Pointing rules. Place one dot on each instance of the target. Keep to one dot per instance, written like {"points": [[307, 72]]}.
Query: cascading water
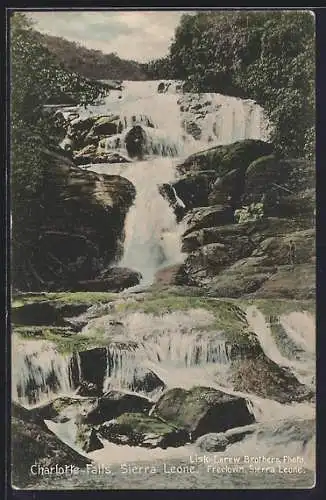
{"points": [[183, 349], [38, 371], [152, 235]]}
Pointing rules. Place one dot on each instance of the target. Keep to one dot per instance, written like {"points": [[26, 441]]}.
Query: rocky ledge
{"points": [[244, 208]]}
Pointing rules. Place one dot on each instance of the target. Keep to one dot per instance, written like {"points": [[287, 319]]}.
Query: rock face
{"points": [[73, 245], [136, 429], [136, 142], [32, 443], [202, 410], [90, 367], [219, 441], [115, 403], [230, 258], [261, 376], [114, 279]]}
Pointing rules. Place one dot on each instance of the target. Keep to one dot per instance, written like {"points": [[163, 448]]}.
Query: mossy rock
{"points": [[33, 443], [267, 176], [52, 308], [201, 410], [223, 159], [137, 429], [113, 404], [203, 217], [263, 377], [290, 282]]}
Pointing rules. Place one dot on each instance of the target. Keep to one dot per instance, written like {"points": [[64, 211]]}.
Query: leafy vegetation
{"points": [[36, 79], [266, 56], [91, 64]]}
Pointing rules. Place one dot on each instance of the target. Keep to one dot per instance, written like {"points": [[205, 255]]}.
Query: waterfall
{"points": [[152, 234], [39, 371], [302, 367]]}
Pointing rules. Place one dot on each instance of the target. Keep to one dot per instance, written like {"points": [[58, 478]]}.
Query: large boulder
{"points": [[114, 279], [194, 189], [113, 404], [137, 429], [243, 277], [136, 141], [219, 441], [201, 410], [224, 159], [227, 189], [267, 175], [105, 125], [262, 376], [33, 443], [71, 243], [292, 282], [204, 217], [275, 249]]}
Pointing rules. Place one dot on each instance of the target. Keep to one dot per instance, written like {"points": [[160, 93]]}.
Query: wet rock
{"points": [[211, 258], [292, 282], [194, 189], [89, 367], [115, 403], [266, 171], [212, 442], [137, 429], [147, 381], [60, 409], [88, 389], [119, 278], [114, 279], [35, 444], [71, 244], [46, 312], [161, 88], [219, 441], [224, 159], [238, 244], [260, 375], [201, 410], [95, 156], [135, 141], [105, 125], [172, 275], [87, 439], [227, 189], [192, 128], [204, 217]]}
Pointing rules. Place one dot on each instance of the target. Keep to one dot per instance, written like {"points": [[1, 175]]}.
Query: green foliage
{"points": [[92, 64], [252, 212], [266, 56], [36, 79]]}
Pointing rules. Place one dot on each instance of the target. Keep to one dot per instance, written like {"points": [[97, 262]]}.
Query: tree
{"points": [[36, 78], [266, 56]]}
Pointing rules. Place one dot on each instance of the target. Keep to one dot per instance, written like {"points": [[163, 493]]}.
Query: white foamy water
{"points": [[38, 371], [302, 367], [152, 235], [301, 329], [184, 349]]}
